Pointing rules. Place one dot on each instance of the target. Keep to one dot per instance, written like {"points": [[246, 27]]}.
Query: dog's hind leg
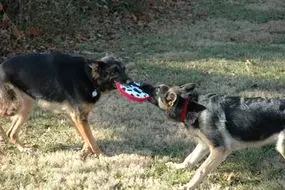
{"points": [[19, 119], [3, 136], [280, 145], [217, 156], [9, 105], [200, 151]]}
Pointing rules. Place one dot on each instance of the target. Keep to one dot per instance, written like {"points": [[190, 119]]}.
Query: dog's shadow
{"points": [[253, 166]]}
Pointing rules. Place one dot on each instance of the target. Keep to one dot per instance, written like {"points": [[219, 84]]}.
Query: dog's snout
{"points": [[157, 91], [161, 89]]}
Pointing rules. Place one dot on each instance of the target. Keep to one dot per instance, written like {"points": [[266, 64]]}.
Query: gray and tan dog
{"points": [[220, 124]]}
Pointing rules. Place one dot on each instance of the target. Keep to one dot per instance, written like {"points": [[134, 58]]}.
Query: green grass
{"points": [[211, 51], [238, 10]]}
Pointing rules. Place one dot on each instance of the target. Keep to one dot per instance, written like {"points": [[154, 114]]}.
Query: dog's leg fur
{"points": [[17, 105], [217, 156], [88, 138], [280, 145], [86, 151], [19, 119], [80, 119], [200, 151], [4, 137], [9, 104]]}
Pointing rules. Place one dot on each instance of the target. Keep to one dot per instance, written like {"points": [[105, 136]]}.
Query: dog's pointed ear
{"points": [[170, 98], [129, 67], [96, 68], [195, 107], [96, 65], [187, 89]]}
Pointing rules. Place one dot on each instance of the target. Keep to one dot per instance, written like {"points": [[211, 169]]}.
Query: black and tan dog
{"points": [[220, 124], [60, 82]]}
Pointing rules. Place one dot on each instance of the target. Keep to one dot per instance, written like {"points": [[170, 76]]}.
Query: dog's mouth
{"points": [[110, 82], [121, 81], [154, 94]]}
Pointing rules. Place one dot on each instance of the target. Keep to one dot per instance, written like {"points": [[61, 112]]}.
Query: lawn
{"points": [[226, 46]]}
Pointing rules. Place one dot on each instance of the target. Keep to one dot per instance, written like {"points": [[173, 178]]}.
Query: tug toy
{"points": [[133, 92]]}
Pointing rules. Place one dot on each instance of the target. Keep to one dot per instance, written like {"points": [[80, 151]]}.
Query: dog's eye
{"points": [[115, 70], [111, 72]]}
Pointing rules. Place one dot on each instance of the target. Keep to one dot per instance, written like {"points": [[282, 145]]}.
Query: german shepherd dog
{"points": [[56, 81], [221, 124]]}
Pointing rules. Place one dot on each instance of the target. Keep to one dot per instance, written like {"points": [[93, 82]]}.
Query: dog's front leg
{"points": [[86, 151], [90, 145], [217, 156], [193, 158]]}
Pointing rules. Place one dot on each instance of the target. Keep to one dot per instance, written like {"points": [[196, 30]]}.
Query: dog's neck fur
{"points": [[180, 111], [96, 86]]}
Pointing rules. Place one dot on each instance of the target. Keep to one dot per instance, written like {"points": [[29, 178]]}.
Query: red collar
{"points": [[185, 109]]}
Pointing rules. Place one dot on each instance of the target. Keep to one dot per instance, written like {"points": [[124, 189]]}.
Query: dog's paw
{"points": [[3, 143], [185, 187], [177, 166], [29, 150], [3, 139], [84, 154]]}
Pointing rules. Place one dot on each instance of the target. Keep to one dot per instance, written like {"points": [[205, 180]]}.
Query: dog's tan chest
{"points": [[55, 107]]}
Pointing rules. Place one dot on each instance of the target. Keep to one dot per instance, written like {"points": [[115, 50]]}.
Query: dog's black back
{"points": [[247, 119], [52, 77]]}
